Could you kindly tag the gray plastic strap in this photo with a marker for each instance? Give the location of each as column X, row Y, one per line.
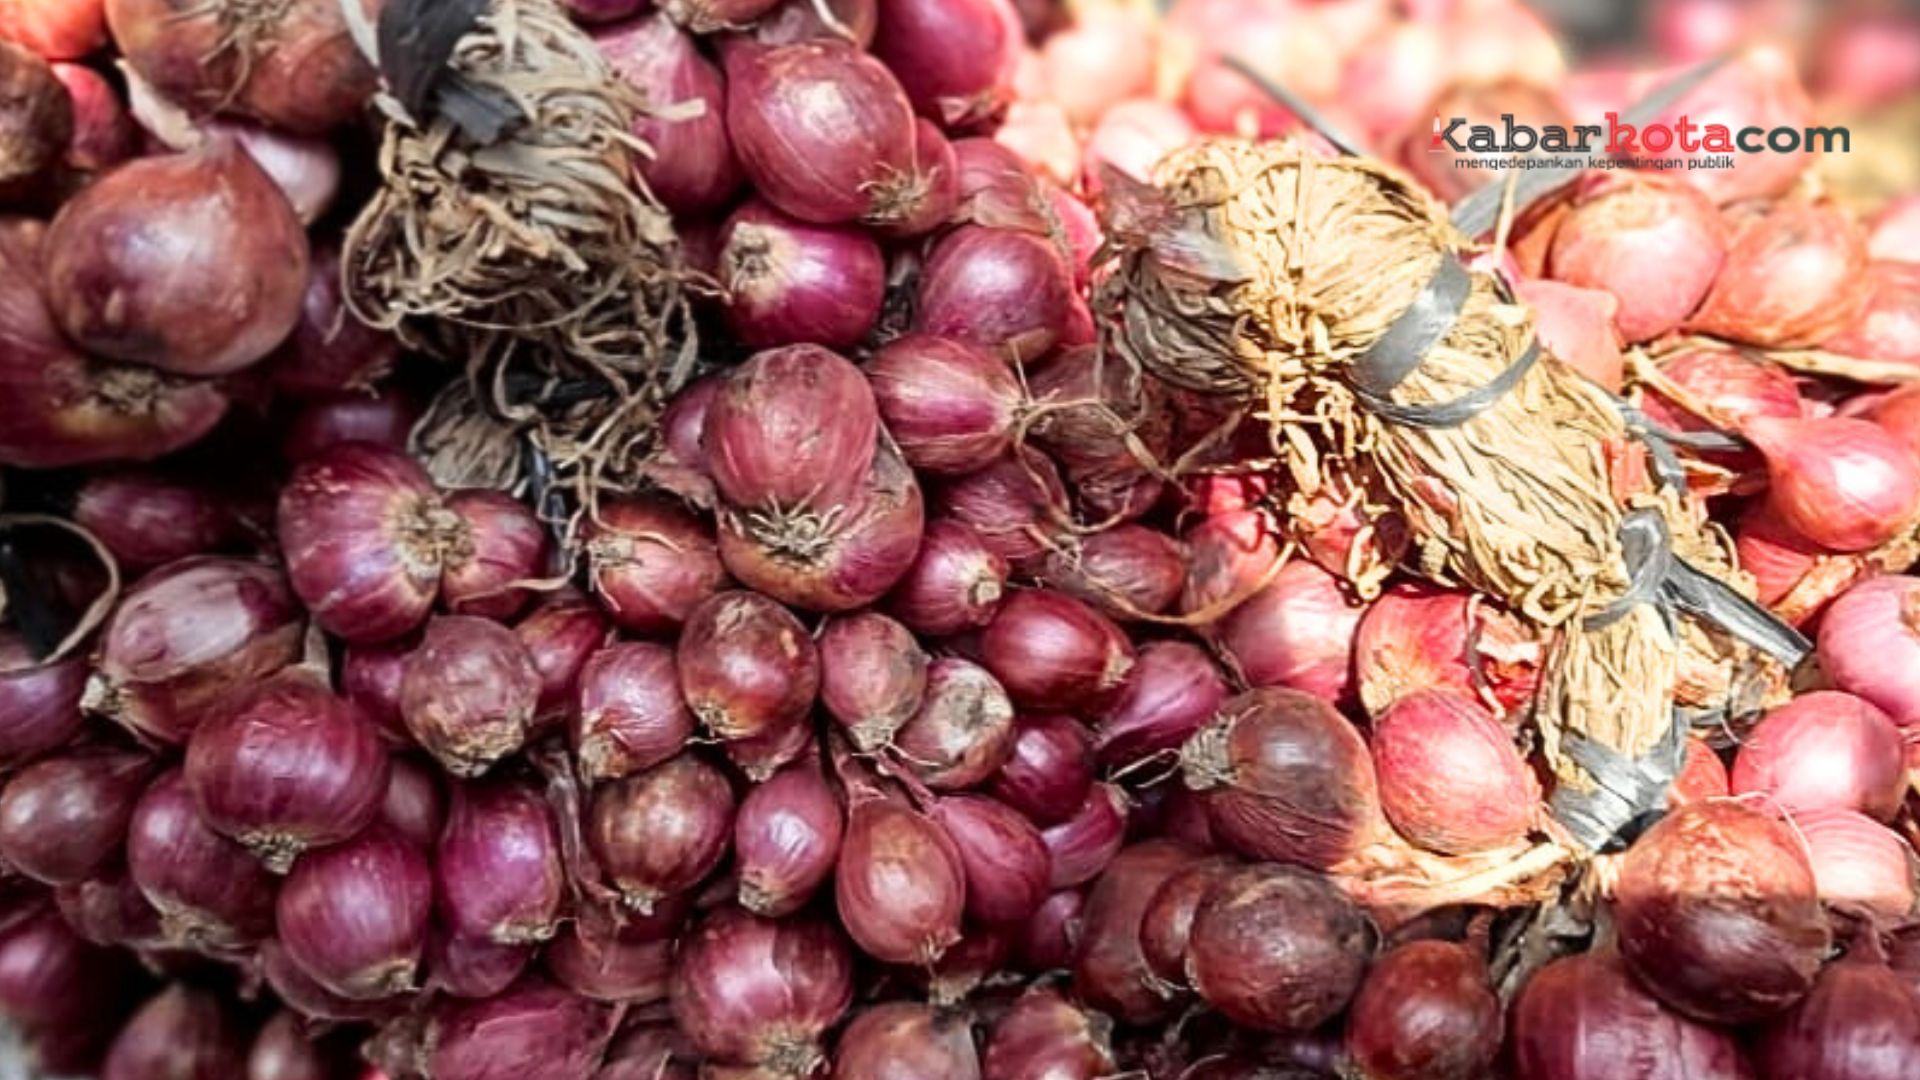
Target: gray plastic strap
column 1453, row 413
column 1427, row 321
column 1660, row 441
column 1624, row 788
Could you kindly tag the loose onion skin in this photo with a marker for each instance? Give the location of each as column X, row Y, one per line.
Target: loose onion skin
column 469, row 693
column 1006, row 864
column 210, row 891
column 1845, row 484
column 1052, row 651
column 531, row 1029
column 1277, row 948
column 1048, row 771
column 193, row 263
column 873, row 676
column 950, row 405
column 1110, row 970
column 185, row 635
column 179, row 1034
column 364, row 534
column 1628, row 225
column 62, row 819
column 692, row 168
column 1582, row 1016
column 1044, row 1037
column 650, row 562
column 497, row 870
column 792, row 428
column 899, row 885
column 962, row 732
column 1285, row 777
column 1717, row 913
column 661, row 832
column 824, row 131
column 1425, row 1012
column 955, row 583
column 1860, row 1022
column 902, row 1040
column 1824, row 751
column 630, row 716
column 755, row 991
column 1450, row 777
column 285, row 765
column 1173, row 691
column 1000, row 289
column 747, row 666
column 786, row 839
column 39, row 702
column 610, row 968
column 790, row 282
column 354, row 916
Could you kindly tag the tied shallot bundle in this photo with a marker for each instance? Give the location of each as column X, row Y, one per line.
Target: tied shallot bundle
column 1299, row 314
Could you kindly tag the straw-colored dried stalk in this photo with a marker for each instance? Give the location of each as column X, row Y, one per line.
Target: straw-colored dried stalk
column 1266, row 271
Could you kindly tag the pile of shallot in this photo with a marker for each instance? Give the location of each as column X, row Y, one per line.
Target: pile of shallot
column 951, row 704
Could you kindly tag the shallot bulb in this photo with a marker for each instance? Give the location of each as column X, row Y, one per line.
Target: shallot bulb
column 661, row 832
column 1111, row 971
column 786, row 839
column 532, row 1028
column 1825, row 751
column 1006, row 864
column 955, row 584
column 193, row 263
column 39, row 702
column 1860, row 1022
column 751, row 991
column 1848, row 485
column 789, row 281
column 873, row 676
column 1297, row 632
column 1860, row 865
column 180, row 1033
column 1718, row 914
column 950, row 406
column 210, row 891
column 1654, row 243
column 791, row 429
column 692, row 168
column 747, row 666
column 63, row 818
column 900, row 886
column 1450, row 777
column 1870, row 644
column 1049, row 769
column 1582, row 1016
column 630, row 715
column 1425, row 1011
column 1045, row 1037
column 1052, row 651
column 962, row 732
column 901, row 1039
column 1277, row 948
column 650, row 562
column 469, row 693
column 497, row 869
column 354, row 916
column 1793, row 277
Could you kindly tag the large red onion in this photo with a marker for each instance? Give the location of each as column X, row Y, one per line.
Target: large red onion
column 1110, row 969
column 179, row 1034
column 1860, row 865
column 955, row 60
column 824, row 132
column 873, row 676
column 1450, row 778
column 791, row 429
column 284, row 765
column 1277, row 948
column 1173, row 691
column 1296, row 632
column 789, row 282
column 1286, row 777
column 1013, row 504
column 1582, row 1017
column 691, row 167
column 1045, row 1037
column 1416, row 638
column 899, row 884
column 532, row 1029
column 365, row 536
column 560, row 636
column 845, row 558
column 786, row 839
column 747, row 666
column 497, row 869
column 1793, row 277
column 949, row 405
column 1049, row 769
column 630, row 716
column 62, row 819
column 903, row 1040
column 193, row 263
column 469, row 693
column 1845, row 484
column 1001, row 289
column 1425, row 1012
column 354, row 916
column 1718, row 915
column 330, row 351
column 148, row 519
column 1825, row 750
column 1653, row 242
column 210, row 891
column 59, row 407
column 1860, row 1022
column 39, row 702
column 1006, row 865
column 649, row 562
column 1870, row 644
column 955, row 583
column 659, row 833
column 962, row 733
column 755, row 991
column 185, row 635
column 1052, row 651
column 505, row 544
